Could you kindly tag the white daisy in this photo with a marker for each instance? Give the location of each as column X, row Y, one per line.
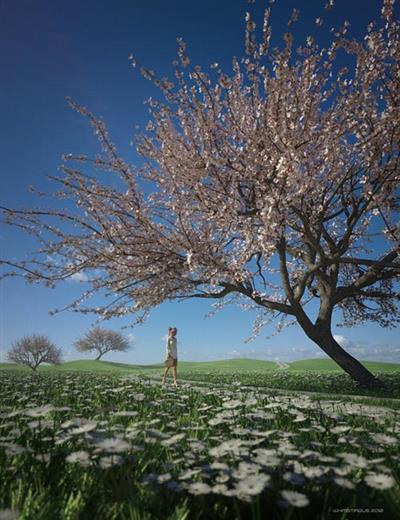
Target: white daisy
column 326, row 458
column 355, row 460
column 43, row 457
column 387, row 440
column 113, row 445
column 219, row 489
column 342, row 470
column 250, row 401
column 79, row 457
column 15, row 449
column 109, row 461
column 339, row 429
column 85, row 427
column 219, row 465
column 252, row 484
column 379, row 480
column 125, row 414
column 294, row 498
column 344, row 482
column 215, row 421
column 199, row 488
column 188, row 474
column 173, row 440
column 164, row 478
column 230, row 446
column 222, row 478
column 39, row 411
column 300, row 418
column 315, row 471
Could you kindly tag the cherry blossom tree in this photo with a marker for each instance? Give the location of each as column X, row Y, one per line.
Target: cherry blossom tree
column 33, row 350
column 265, row 186
column 102, row 341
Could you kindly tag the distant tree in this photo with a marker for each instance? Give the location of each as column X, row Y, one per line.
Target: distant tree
column 102, row 341
column 34, row 350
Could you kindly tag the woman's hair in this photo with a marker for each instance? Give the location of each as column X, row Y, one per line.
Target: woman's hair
column 172, row 328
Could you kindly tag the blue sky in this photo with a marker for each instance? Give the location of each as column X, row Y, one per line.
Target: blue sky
column 80, row 49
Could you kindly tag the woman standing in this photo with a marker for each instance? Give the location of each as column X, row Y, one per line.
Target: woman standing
column 172, row 354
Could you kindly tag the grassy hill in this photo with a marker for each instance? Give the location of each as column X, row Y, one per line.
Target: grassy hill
column 225, row 366
column 95, row 366
column 229, row 365
column 327, row 365
column 11, row 366
column 221, row 366
column 85, row 365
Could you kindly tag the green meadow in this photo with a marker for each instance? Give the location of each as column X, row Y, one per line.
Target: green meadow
column 226, row 365
column 238, row 439
column 320, row 376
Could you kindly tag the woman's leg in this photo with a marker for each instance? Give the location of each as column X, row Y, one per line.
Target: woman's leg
column 174, row 371
column 165, row 374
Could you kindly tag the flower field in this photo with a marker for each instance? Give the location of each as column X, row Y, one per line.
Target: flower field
column 335, row 383
column 121, row 446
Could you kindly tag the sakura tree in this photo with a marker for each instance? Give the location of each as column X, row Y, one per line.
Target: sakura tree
column 264, row 186
column 34, row 350
column 102, row 341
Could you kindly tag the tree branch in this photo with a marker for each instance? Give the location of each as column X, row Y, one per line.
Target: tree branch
column 373, row 275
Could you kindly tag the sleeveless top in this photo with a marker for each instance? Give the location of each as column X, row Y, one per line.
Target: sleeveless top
column 171, row 349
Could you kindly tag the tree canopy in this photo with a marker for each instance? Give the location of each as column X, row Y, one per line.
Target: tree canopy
column 34, row 350
column 102, row 341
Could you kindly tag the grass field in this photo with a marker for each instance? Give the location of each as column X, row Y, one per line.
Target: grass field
column 238, row 439
column 223, row 366
column 312, row 375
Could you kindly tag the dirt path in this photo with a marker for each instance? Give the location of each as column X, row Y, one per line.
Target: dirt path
column 282, row 365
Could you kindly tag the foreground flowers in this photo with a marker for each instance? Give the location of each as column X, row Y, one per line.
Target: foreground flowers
column 231, row 444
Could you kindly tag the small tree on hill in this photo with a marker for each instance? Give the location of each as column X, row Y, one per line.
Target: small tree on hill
column 102, row 341
column 33, row 350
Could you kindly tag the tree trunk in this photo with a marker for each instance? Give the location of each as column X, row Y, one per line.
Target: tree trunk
column 355, row 369
column 99, row 356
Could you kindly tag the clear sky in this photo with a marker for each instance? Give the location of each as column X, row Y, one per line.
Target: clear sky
column 51, row 50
